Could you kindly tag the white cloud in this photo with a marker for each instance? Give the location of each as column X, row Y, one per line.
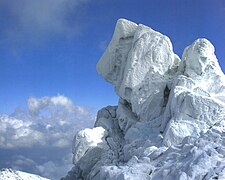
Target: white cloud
column 17, row 133
column 36, row 105
column 42, row 134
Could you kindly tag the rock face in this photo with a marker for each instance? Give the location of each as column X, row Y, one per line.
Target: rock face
column 170, row 119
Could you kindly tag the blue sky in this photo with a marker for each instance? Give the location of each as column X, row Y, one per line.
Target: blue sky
column 50, row 47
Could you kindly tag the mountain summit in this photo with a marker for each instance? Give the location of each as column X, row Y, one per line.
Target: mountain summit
column 9, row 174
column 170, row 119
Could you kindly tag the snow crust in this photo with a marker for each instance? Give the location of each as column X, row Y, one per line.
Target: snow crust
column 9, row 174
column 170, row 119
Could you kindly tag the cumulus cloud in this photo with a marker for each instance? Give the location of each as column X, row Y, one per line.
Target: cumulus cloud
column 36, row 105
column 35, row 20
column 41, row 135
column 15, row 132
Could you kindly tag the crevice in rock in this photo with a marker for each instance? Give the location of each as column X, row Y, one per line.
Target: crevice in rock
column 95, row 174
column 109, row 112
column 166, row 94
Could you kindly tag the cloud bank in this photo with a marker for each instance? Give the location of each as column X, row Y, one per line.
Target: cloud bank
column 38, row 139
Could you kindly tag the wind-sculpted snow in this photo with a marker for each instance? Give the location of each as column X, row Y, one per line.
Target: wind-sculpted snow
column 170, row 119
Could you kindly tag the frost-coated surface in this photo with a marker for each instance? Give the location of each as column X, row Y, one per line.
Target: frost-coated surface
column 170, row 119
column 9, row 174
column 139, row 62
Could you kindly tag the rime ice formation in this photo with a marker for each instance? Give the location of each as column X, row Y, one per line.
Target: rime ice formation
column 9, row 174
column 170, row 119
column 197, row 97
column 139, row 62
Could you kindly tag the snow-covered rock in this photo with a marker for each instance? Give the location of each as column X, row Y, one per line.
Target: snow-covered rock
column 170, row 119
column 197, row 97
column 9, row 174
column 139, row 62
column 88, row 139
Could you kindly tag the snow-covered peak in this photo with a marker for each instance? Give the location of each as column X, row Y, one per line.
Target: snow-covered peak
column 9, row 174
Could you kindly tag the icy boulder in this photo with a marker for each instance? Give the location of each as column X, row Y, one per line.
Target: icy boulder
column 170, row 119
column 139, row 62
column 197, row 97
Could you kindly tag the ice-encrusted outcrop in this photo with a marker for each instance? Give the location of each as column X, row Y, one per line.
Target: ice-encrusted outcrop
column 139, row 62
column 170, row 119
column 197, row 97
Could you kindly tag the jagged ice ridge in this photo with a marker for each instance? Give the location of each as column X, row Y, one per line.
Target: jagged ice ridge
column 170, row 119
